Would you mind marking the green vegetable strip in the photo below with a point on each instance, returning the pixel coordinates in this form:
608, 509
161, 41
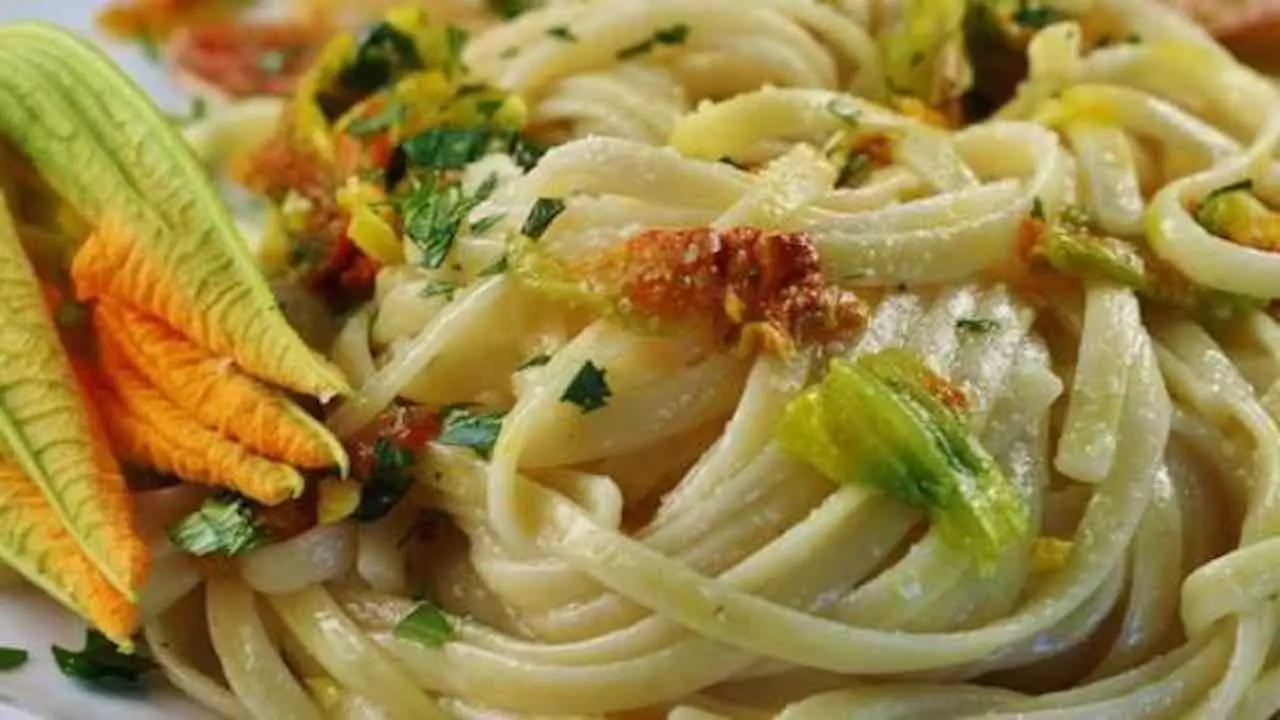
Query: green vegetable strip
880, 421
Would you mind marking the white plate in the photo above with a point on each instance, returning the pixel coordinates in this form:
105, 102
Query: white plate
27, 619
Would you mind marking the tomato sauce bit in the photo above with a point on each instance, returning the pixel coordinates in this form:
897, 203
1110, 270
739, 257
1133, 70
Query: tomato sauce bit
245, 59
329, 262
407, 427
736, 278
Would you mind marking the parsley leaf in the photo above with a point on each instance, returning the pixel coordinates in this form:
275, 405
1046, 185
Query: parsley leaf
101, 664
150, 47
390, 479
977, 325
13, 658
674, 35
844, 111
445, 148
486, 223
589, 389
427, 625
383, 55
498, 267
440, 287
272, 62
508, 9
562, 32
224, 525
456, 38
433, 216
536, 361
856, 167
385, 118
543, 213
476, 430
1038, 18
1037, 208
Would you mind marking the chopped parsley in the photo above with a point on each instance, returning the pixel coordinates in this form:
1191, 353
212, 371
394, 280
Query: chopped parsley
676, 34
433, 215
440, 287
456, 39
497, 267
101, 664
198, 110
389, 480
463, 427
855, 168
445, 148
13, 658
1038, 18
1037, 208
383, 55
536, 361
384, 119
589, 389
452, 148
562, 32
977, 325
543, 213
223, 525
272, 62
844, 111
149, 46
508, 9
486, 223
427, 625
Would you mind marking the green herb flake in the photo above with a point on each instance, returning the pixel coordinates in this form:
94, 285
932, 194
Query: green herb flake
676, 34
427, 625
382, 56
384, 119
444, 148
497, 267
844, 111
150, 47
589, 389
562, 32
455, 39
854, 170
272, 62
433, 216
543, 213
388, 482
475, 430
486, 223
488, 108
102, 665
536, 361
1038, 18
508, 9
223, 525
977, 325
13, 658
435, 288
1037, 209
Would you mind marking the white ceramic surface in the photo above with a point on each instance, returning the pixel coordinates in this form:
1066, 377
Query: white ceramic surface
27, 619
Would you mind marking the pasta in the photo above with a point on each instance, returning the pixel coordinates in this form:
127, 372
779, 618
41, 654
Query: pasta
635, 536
